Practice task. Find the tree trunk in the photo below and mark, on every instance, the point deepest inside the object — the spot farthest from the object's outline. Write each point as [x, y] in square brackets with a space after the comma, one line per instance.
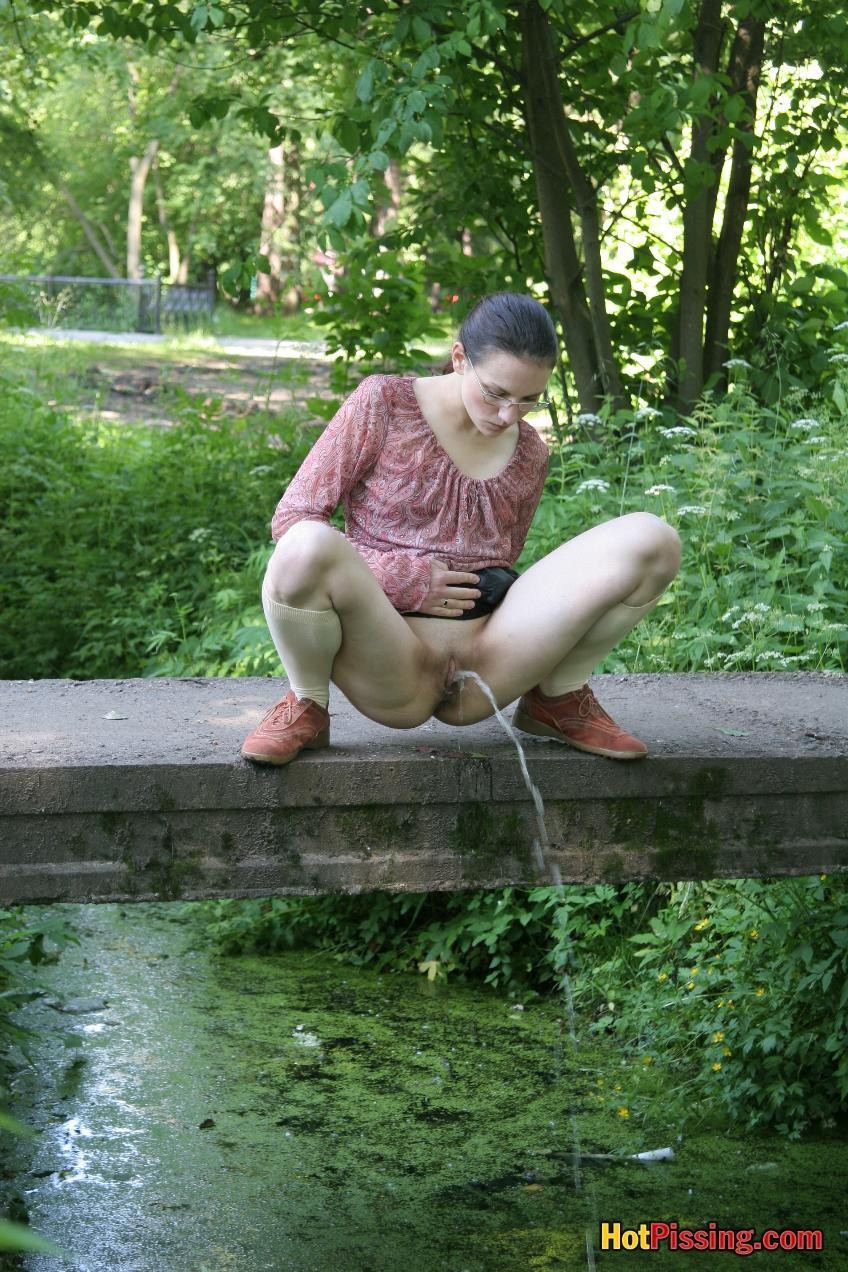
[139, 170]
[745, 66]
[268, 286]
[687, 350]
[384, 211]
[546, 126]
[168, 229]
[89, 231]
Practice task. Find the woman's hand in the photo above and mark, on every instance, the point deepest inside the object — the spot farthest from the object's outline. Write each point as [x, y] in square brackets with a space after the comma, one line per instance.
[451, 586]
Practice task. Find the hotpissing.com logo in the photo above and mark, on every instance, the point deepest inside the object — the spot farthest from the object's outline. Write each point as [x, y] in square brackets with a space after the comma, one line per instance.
[659, 1235]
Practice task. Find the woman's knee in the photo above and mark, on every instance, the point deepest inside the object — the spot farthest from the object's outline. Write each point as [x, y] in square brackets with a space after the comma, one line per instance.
[301, 561]
[655, 541]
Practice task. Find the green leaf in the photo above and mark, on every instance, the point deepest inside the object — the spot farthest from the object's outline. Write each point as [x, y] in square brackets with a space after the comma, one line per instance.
[348, 134]
[338, 213]
[14, 1236]
[365, 84]
[379, 160]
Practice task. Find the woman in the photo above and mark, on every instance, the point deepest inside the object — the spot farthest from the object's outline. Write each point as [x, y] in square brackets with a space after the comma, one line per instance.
[440, 477]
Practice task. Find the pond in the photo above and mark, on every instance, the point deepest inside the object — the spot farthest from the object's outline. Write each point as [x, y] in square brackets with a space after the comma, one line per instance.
[289, 1112]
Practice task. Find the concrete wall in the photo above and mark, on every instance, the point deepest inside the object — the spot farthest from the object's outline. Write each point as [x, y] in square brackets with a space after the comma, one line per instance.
[134, 790]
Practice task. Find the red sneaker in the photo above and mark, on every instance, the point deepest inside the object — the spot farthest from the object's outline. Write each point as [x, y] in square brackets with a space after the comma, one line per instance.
[578, 719]
[292, 725]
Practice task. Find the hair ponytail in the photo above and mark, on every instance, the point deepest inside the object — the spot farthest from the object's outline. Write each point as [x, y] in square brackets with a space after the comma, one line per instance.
[507, 322]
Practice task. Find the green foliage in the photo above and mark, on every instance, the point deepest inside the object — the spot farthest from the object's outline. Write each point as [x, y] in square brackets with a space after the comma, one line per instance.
[738, 989]
[501, 937]
[380, 308]
[758, 496]
[113, 564]
[27, 941]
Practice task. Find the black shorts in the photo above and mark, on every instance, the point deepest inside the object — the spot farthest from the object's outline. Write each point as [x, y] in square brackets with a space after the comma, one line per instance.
[495, 582]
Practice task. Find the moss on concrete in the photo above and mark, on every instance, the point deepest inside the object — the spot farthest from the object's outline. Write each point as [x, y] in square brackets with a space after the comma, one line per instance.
[681, 837]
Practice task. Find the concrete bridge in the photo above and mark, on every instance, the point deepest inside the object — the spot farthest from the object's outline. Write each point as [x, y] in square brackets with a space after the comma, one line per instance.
[122, 790]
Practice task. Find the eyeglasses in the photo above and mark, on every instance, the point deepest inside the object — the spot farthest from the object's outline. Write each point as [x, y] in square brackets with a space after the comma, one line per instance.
[499, 399]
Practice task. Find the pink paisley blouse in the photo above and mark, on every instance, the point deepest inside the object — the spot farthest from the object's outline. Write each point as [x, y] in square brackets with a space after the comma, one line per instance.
[405, 501]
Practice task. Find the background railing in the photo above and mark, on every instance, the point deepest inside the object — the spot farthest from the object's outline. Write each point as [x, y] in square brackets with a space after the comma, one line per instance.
[104, 304]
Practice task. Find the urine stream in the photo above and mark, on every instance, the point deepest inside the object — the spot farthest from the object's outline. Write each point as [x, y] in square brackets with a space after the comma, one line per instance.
[541, 849]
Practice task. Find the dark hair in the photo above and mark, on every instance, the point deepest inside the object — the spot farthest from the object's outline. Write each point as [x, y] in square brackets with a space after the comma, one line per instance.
[507, 322]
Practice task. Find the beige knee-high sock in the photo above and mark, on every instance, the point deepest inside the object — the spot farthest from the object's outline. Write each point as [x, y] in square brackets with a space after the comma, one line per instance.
[307, 642]
[578, 664]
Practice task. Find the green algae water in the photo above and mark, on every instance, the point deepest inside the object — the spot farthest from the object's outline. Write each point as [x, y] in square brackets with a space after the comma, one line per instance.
[286, 1112]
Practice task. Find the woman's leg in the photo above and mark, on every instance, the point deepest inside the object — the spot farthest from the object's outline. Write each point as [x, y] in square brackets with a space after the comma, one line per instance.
[567, 611]
[317, 584]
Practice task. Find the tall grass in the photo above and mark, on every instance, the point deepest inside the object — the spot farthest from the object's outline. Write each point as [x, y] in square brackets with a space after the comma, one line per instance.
[132, 551]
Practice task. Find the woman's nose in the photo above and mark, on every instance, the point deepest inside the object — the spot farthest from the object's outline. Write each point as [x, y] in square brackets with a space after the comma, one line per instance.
[509, 412]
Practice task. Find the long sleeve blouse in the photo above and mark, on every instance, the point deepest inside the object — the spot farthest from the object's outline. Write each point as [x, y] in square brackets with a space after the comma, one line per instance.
[405, 501]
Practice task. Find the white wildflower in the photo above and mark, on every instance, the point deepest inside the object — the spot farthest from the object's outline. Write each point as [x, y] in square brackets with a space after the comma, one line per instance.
[648, 413]
[733, 516]
[805, 425]
[588, 418]
[679, 430]
[814, 441]
[592, 483]
[762, 608]
[695, 510]
[836, 627]
[815, 607]
[776, 656]
[734, 609]
[737, 362]
[840, 326]
[260, 470]
[838, 358]
[661, 489]
[751, 616]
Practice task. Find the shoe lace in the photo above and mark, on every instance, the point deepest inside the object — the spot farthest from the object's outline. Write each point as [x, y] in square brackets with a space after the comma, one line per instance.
[281, 711]
[588, 707]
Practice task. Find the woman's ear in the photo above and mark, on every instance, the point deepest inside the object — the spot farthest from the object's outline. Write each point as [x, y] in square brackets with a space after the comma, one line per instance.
[458, 357]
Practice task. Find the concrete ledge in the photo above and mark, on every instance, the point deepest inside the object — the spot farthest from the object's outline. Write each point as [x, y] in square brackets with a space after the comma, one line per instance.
[747, 776]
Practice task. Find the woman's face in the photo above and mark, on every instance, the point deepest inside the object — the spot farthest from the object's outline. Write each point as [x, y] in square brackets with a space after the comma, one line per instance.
[491, 397]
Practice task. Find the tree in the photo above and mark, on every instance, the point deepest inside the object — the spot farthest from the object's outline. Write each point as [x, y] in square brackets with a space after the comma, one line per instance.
[650, 131]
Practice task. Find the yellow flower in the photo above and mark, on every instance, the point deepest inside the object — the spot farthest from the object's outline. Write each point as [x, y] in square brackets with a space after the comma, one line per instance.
[716, 1066]
[647, 1059]
[690, 984]
[694, 971]
[730, 1002]
[759, 991]
[822, 878]
[662, 976]
[754, 933]
[623, 1112]
[725, 1051]
[721, 1002]
[699, 927]
[718, 1036]
[617, 1086]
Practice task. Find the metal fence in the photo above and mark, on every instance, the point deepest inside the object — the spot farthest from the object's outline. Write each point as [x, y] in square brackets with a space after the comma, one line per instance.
[103, 304]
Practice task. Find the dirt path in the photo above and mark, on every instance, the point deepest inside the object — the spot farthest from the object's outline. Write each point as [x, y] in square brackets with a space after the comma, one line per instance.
[152, 392]
[151, 381]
